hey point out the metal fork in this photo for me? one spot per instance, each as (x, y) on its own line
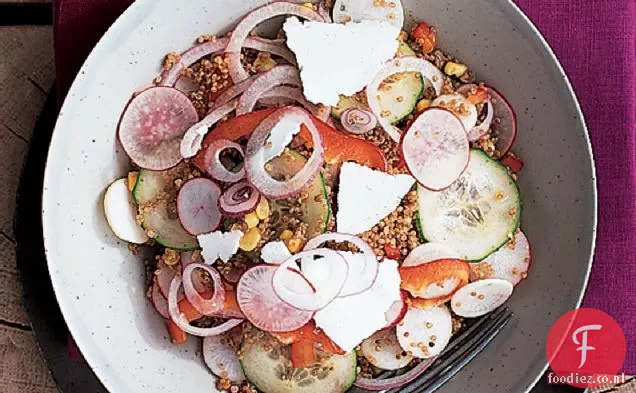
(456, 356)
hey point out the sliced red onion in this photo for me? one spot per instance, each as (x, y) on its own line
(261, 149)
(238, 200)
(202, 305)
(358, 121)
(198, 280)
(279, 75)
(193, 138)
(395, 382)
(234, 91)
(197, 206)
(253, 19)
(427, 70)
(214, 166)
(327, 275)
(324, 12)
(182, 322)
(481, 129)
(160, 302)
(287, 95)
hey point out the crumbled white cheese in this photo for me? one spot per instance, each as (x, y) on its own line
(219, 245)
(275, 253)
(339, 59)
(349, 320)
(280, 136)
(366, 196)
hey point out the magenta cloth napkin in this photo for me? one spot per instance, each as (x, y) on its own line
(596, 43)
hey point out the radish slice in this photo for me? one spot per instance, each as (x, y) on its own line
(326, 275)
(262, 307)
(182, 322)
(429, 252)
(427, 70)
(214, 166)
(384, 351)
(460, 106)
(163, 277)
(481, 129)
(391, 11)
(204, 306)
(197, 206)
(358, 121)
(512, 261)
(121, 213)
(152, 125)
(435, 148)
(219, 354)
(425, 333)
(160, 302)
(253, 19)
(275, 253)
(504, 127)
(239, 199)
(397, 311)
(269, 140)
(481, 297)
(279, 75)
(193, 138)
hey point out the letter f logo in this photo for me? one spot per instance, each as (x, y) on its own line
(584, 348)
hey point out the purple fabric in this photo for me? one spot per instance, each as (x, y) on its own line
(596, 43)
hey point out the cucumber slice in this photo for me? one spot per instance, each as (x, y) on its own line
(345, 103)
(267, 365)
(405, 50)
(151, 198)
(316, 209)
(477, 214)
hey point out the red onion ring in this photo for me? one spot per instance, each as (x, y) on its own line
(358, 121)
(193, 138)
(238, 200)
(279, 75)
(327, 286)
(287, 95)
(324, 12)
(481, 129)
(234, 91)
(253, 19)
(202, 305)
(214, 166)
(182, 322)
(427, 70)
(395, 382)
(257, 155)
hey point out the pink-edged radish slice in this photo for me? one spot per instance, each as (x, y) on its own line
(363, 272)
(435, 148)
(163, 277)
(262, 307)
(384, 351)
(121, 213)
(219, 354)
(425, 333)
(460, 106)
(239, 200)
(202, 305)
(481, 297)
(327, 276)
(429, 252)
(512, 261)
(397, 311)
(504, 126)
(160, 302)
(152, 125)
(275, 253)
(197, 206)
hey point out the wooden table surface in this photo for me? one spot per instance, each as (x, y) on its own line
(26, 76)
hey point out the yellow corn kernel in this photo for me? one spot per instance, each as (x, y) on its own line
(423, 104)
(251, 220)
(455, 69)
(262, 209)
(132, 180)
(294, 245)
(309, 5)
(264, 62)
(286, 235)
(250, 240)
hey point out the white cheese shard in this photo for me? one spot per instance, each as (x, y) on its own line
(349, 320)
(366, 196)
(219, 245)
(339, 59)
(275, 253)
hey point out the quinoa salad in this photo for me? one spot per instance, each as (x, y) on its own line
(324, 204)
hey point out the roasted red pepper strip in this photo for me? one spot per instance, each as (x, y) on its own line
(514, 163)
(339, 147)
(305, 342)
(426, 36)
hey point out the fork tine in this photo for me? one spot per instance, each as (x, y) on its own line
(457, 361)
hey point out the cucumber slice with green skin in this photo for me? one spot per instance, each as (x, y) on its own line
(316, 209)
(150, 198)
(477, 214)
(405, 50)
(266, 364)
(347, 102)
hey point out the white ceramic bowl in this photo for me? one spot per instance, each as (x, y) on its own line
(100, 285)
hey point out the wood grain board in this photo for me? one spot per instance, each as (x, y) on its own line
(26, 76)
